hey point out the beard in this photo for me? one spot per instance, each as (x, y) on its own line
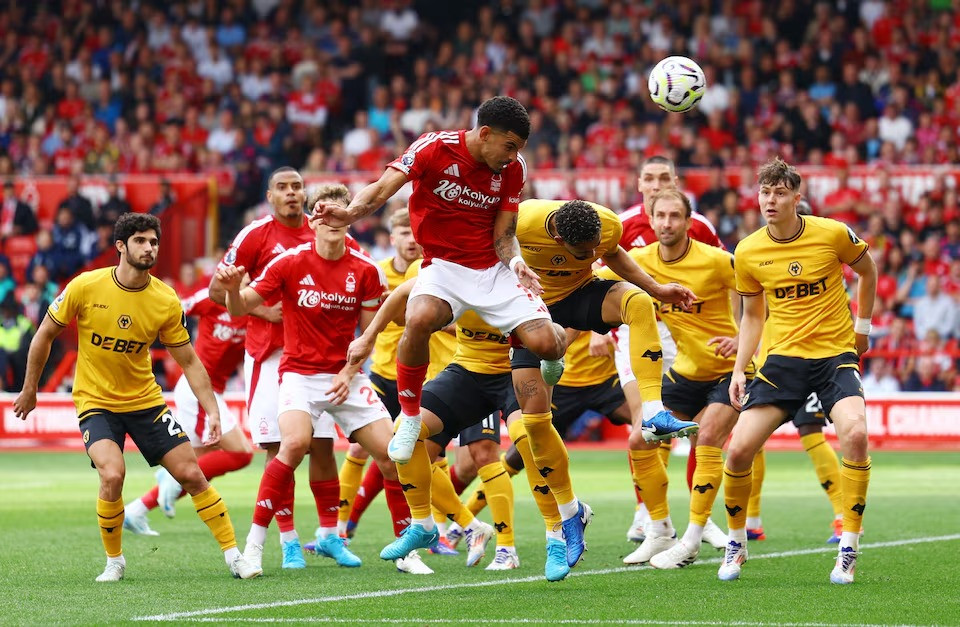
(140, 265)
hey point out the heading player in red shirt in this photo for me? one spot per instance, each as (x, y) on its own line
(463, 210)
(253, 248)
(219, 347)
(326, 289)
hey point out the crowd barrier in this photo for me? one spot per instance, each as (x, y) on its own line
(916, 421)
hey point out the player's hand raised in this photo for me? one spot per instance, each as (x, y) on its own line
(25, 403)
(230, 277)
(331, 214)
(726, 346)
(213, 430)
(528, 278)
(738, 390)
(675, 294)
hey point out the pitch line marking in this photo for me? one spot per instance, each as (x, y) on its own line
(513, 621)
(174, 616)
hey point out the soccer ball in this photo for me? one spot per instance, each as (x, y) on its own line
(676, 84)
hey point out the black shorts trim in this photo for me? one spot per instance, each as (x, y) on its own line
(690, 397)
(568, 403)
(386, 389)
(787, 382)
(153, 436)
(462, 399)
(583, 308)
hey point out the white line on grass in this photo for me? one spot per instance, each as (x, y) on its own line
(512, 621)
(174, 616)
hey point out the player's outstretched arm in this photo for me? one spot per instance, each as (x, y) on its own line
(199, 382)
(508, 250)
(626, 268)
(392, 310)
(866, 269)
(751, 328)
(40, 345)
(367, 200)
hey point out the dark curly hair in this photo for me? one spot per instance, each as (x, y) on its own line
(577, 222)
(506, 114)
(779, 171)
(130, 223)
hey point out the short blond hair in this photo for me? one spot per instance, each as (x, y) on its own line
(330, 192)
(400, 217)
(672, 194)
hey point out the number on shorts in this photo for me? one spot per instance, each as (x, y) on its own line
(173, 428)
(813, 404)
(370, 396)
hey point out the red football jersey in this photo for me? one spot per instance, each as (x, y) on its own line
(322, 300)
(455, 198)
(638, 232)
(220, 337)
(255, 246)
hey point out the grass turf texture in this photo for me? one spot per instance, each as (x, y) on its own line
(52, 552)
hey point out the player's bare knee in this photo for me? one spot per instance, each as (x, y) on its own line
(484, 452)
(855, 441)
(293, 450)
(636, 442)
(739, 459)
(191, 479)
(111, 478)
(387, 468)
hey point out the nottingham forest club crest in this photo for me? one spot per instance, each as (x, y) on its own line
(351, 283)
(495, 182)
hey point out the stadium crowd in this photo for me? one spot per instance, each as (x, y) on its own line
(237, 88)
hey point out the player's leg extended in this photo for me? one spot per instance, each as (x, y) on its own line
(552, 462)
(415, 480)
(511, 462)
(324, 483)
(181, 463)
(827, 467)
(754, 520)
(556, 567)
(425, 314)
(296, 430)
(849, 418)
(650, 478)
(351, 474)
(108, 460)
(628, 382)
(754, 427)
(499, 493)
(716, 422)
(626, 304)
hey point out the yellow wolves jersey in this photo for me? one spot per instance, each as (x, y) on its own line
(560, 272)
(115, 327)
(803, 281)
(442, 344)
(582, 369)
(708, 271)
(385, 348)
(480, 347)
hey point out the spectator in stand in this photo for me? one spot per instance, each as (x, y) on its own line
(16, 216)
(7, 284)
(71, 242)
(933, 262)
(16, 330)
(934, 311)
(924, 378)
(115, 205)
(879, 379)
(77, 204)
(166, 200)
(950, 246)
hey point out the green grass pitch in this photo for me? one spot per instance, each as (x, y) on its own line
(909, 571)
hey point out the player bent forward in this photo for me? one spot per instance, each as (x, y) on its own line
(116, 393)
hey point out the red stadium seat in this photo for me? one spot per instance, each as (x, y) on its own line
(20, 250)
